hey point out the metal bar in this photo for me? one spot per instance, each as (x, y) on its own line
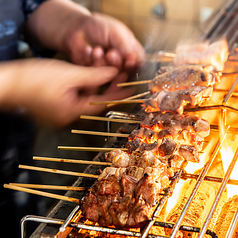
(232, 25)
(221, 25)
(221, 189)
(112, 231)
(39, 219)
(231, 129)
(184, 228)
(69, 218)
(232, 225)
(160, 205)
(197, 185)
(230, 92)
(209, 178)
(232, 40)
(216, 20)
(211, 107)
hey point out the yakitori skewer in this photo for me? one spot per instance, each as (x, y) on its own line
(52, 187)
(71, 161)
(119, 102)
(99, 133)
(96, 149)
(109, 119)
(134, 83)
(184, 175)
(56, 171)
(41, 193)
(140, 95)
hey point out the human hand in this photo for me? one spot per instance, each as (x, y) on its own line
(105, 41)
(90, 39)
(56, 92)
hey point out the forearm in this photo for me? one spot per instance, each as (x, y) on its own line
(8, 72)
(52, 23)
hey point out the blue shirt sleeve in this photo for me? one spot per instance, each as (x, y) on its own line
(31, 5)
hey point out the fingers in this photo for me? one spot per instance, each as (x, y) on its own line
(95, 76)
(114, 58)
(84, 106)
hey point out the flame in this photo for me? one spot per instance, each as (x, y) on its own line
(227, 154)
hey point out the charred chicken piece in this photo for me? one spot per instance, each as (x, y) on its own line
(189, 153)
(147, 135)
(189, 123)
(174, 101)
(183, 77)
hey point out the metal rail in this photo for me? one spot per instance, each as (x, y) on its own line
(217, 199)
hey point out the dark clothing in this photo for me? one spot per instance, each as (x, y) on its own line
(17, 132)
(13, 14)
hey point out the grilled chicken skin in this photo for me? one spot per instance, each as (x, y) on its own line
(183, 77)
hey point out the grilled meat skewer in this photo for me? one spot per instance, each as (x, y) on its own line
(179, 136)
(183, 77)
(174, 101)
(158, 121)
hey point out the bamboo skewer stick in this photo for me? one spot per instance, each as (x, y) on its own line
(109, 119)
(134, 83)
(132, 97)
(99, 133)
(184, 176)
(119, 102)
(41, 193)
(56, 171)
(71, 161)
(53, 187)
(93, 149)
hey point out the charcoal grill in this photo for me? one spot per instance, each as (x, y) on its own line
(63, 218)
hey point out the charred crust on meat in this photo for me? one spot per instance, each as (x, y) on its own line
(203, 77)
(146, 175)
(192, 71)
(99, 171)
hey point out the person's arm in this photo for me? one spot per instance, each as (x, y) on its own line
(53, 91)
(88, 38)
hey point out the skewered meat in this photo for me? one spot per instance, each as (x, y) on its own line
(174, 101)
(189, 153)
(118, 158)
(215, 54)
(142, 159)
(125, 196)
(179, 136)
(179, 122)
(183, 77)
(126, 193)
(165, 148)
(126, 200)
